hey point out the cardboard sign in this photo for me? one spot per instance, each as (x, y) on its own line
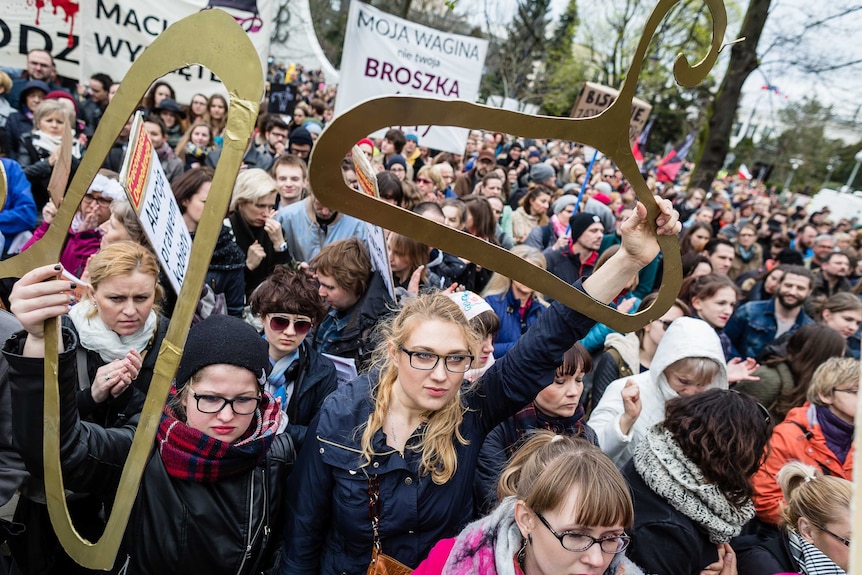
(384, 55)
(282, 99)
(366, 175)
(595, 99)
(150, 193)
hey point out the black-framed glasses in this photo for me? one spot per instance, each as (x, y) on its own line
(578, 542)
(852, 391)
(281, 323)
(843, 540)
(665, 323)
(426, 360)
(215, 403)
(101, 200)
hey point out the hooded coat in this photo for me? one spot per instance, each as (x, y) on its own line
(686, 337)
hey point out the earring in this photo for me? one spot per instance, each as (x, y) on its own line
(522, 552)
(95, 305)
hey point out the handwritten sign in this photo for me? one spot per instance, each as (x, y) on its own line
(150, 193)
(595, 99)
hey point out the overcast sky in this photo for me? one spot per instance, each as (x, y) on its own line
(841, 89)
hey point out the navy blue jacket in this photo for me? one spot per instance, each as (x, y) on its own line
(328, 529)
(507, 307)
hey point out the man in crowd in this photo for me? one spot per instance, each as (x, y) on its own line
(824, 244)
(804, 241)
(309, 226)
(831, 278)
(272, 138)
(299, 144)
(757, 323)
(572, 259)
(720, 253)
(465, 183)
(291, 176)
(40, 66)
(95, 102)
(411, 153)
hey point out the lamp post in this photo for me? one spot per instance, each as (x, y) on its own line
(833, 163)
(858, 158)
(794, 165)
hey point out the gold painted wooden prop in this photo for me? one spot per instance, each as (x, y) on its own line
(213, 39)
(609, 132)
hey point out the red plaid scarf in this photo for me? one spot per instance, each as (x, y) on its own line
(192, 455)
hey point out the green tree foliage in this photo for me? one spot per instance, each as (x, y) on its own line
(563, 73)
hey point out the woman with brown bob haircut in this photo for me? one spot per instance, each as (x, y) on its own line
(288, 306)
(563, 508)
(691, 481)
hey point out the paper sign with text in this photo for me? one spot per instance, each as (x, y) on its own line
(150, 193)
(595, 99)
(385, 55)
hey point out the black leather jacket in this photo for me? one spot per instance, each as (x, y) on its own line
(226, 527)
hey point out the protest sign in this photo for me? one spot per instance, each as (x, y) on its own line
(148, 191)
(595, 99)
(115, 32)
(386, 55)
(282, 99)
(26, 25)
(366, 175)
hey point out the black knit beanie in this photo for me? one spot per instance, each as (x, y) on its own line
(580, 222)
(223, 339)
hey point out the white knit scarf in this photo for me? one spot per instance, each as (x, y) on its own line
(96, 336)
(673, 476)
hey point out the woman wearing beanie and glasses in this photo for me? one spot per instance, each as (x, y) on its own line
(212, 489)
(407, 434)
(288, 306)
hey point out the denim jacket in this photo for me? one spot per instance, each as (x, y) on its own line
(753, 326)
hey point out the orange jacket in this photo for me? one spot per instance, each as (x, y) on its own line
(790, 443)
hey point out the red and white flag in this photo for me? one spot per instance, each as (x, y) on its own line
(744, 173)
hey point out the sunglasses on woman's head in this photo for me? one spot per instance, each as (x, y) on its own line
(279, 323)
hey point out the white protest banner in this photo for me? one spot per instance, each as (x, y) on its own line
(149, 192)
(366, 175)
(595, 99)
(38, 25)
(115, 32)
(385, 55)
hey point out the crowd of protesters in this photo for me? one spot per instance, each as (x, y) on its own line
(318, 421)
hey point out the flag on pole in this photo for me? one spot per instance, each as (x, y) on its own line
(640, 143)
(670, 165)
(744, 173)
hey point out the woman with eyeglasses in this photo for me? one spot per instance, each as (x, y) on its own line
(564, 508)
(408, 433)
(690, 480)
(212, 489)
(85, 236)
(115, 334)
(815, 527)
(288, 306)
(255, 228)
(819, 433)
